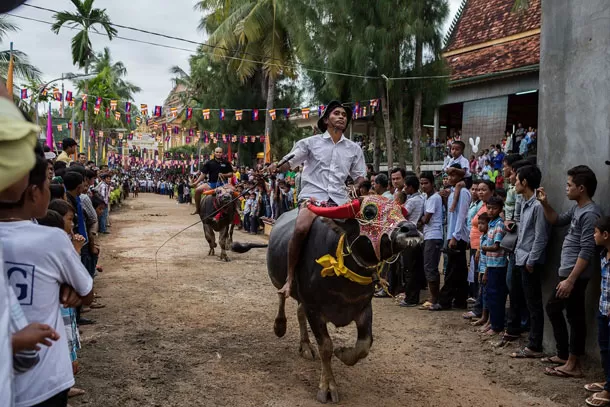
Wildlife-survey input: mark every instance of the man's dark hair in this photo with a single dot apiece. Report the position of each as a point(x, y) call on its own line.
point(90, 162)
point(59, 164)
point(584, 176)
point(603, 224)
point(510, 159)
point(382, 180)
point(72, 180)
point(90, 174)
point(365, 184)
point(531, 174)
point(79, 154)
point(401, 170)
point(498, 146)
point(460, 143)
point(428, 175)
point(501, 192)
point(490, 185)
point(38, 174)
point(76, 164)
point(484, 218)
point(96, 201)
point(517, 165)
point(495, 201)
point(532, 159)
point(412, 182)
point(61, 172)
point(79, 169)
point(52, 219)
point(60, 206)
point(67, 143)
point(57, 191)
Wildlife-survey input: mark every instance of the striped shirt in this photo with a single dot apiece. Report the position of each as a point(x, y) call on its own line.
point(494, 235)
point(482, 255)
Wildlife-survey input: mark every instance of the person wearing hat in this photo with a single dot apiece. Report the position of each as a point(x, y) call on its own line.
point(328, 159)
point(68, 146)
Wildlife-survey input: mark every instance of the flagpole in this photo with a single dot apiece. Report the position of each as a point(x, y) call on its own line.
point(9, 76)
point(62, 96)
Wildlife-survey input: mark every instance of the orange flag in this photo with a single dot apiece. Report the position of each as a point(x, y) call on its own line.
point(9, 76)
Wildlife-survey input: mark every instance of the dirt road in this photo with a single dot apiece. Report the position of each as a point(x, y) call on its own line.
point(200, 333)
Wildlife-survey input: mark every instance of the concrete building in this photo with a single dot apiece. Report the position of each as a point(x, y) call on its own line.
point(493, 53)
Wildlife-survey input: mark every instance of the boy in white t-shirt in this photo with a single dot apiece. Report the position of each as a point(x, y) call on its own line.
point(39, 262)
point(457, 152)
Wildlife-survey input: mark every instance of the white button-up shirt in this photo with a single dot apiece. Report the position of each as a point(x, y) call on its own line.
point(326, 166)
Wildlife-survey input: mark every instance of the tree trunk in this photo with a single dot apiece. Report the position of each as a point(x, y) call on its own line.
point(401, 139)
point(417, 107)
point(385, 112)
point(268, 121)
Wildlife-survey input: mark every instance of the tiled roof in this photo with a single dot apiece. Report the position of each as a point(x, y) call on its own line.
point(497, 58)
point(487, 20)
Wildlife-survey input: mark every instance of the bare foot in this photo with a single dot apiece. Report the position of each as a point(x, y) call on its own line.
point(485, 328)
point(479, 322)
point(285, 290)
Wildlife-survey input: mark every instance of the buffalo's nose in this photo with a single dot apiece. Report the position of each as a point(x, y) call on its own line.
point(407, 228)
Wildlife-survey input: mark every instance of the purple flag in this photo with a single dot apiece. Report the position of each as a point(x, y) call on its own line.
point(49, 141)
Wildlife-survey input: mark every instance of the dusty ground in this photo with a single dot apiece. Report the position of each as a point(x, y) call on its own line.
point(199, 332)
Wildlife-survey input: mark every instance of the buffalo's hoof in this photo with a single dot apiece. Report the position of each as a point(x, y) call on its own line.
point(279, 327)
point(211, 252)
point(323, 395)
point(224, 257)
point(306, 351)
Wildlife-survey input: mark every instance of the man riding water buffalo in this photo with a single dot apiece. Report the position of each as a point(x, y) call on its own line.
point(219, 172)
point(328, 160)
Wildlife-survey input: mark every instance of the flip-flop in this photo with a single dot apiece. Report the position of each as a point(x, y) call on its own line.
point(525, 353)
point(550, 361)
point(594, 387)
point(469, 315)
point(552, 371)
point(597, 401)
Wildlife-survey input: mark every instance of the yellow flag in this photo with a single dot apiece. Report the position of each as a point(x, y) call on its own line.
point(81, 145)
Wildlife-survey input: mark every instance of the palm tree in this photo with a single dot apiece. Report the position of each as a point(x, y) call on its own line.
point(255, 36)
point(86, 19)
point(21, 65)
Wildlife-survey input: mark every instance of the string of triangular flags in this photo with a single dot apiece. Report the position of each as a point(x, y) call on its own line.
point(359, 109)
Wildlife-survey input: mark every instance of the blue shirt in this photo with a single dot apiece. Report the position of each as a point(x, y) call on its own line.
point(604, 298)
point(472, 211)
point(456, 220)
point(482, 256)
point(494, 235)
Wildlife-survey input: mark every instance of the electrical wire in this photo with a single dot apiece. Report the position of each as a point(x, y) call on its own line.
point(215, 47)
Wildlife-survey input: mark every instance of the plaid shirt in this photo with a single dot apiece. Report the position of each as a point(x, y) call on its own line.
point(604, 298)
point(494, 235)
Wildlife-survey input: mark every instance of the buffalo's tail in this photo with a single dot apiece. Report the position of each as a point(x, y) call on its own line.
point(245, 247)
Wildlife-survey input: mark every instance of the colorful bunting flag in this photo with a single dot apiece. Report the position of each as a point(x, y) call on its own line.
point(206, 114)
point(138, 121)
point(187, 139)
point(117, 115)
point(127, 107)
point(69, 97)
point(84, 104)
point(164, 128)
point(189, 113)
point(287, 112)
point(69, 125)
point(60, 127)
point(355, 110)
point(144, 110)
point(113, 104)
point(305, 112)
point(56, 94)
point(158, 111)
point(191, 132)
point(128, 118)
point(176, 130)
point(254, 115)
point(173, 111)
point(98, 105)
point(321, 110)
point(24, 93)
point(239, 114)
point(272, 114)
point(45, 92)
point(222, 114)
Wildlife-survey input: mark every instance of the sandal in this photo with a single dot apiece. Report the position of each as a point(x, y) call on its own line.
point(554, 360)
point(597, 401)
point(595, 387)
point(552, 371)
point(469, 315)
point(526, 353)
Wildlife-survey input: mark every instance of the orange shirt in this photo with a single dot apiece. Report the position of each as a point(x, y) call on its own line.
point(475, 235)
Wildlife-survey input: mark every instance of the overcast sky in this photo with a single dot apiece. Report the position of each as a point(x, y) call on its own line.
point(148, 66)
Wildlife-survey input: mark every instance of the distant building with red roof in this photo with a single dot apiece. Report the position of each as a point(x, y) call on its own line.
point(493, 53)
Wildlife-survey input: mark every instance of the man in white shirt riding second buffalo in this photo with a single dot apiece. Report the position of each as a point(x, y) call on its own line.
point(328, 160)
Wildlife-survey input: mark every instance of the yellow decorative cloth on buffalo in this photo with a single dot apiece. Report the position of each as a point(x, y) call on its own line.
point(334, 266)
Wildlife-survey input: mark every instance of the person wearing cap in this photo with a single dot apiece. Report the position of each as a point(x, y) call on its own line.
point(68, 146)
point(328, 160)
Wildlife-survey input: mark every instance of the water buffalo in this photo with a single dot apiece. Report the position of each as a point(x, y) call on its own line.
point(334, 279)
point(217, 212)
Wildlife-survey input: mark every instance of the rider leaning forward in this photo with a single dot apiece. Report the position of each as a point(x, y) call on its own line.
point(328, 160)
point(219, 172)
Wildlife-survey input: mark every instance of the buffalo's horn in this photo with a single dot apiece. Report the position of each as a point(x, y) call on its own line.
point(209, 192)
point(347, 211)
point(245, 247)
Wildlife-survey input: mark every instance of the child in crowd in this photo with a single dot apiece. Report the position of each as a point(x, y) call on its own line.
point(400, 198)
point(481, 261)
point(602, 239)
point(495, 274)
point(254, 208)
point(486, 171)
point(248, 211)
point(457, 154)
